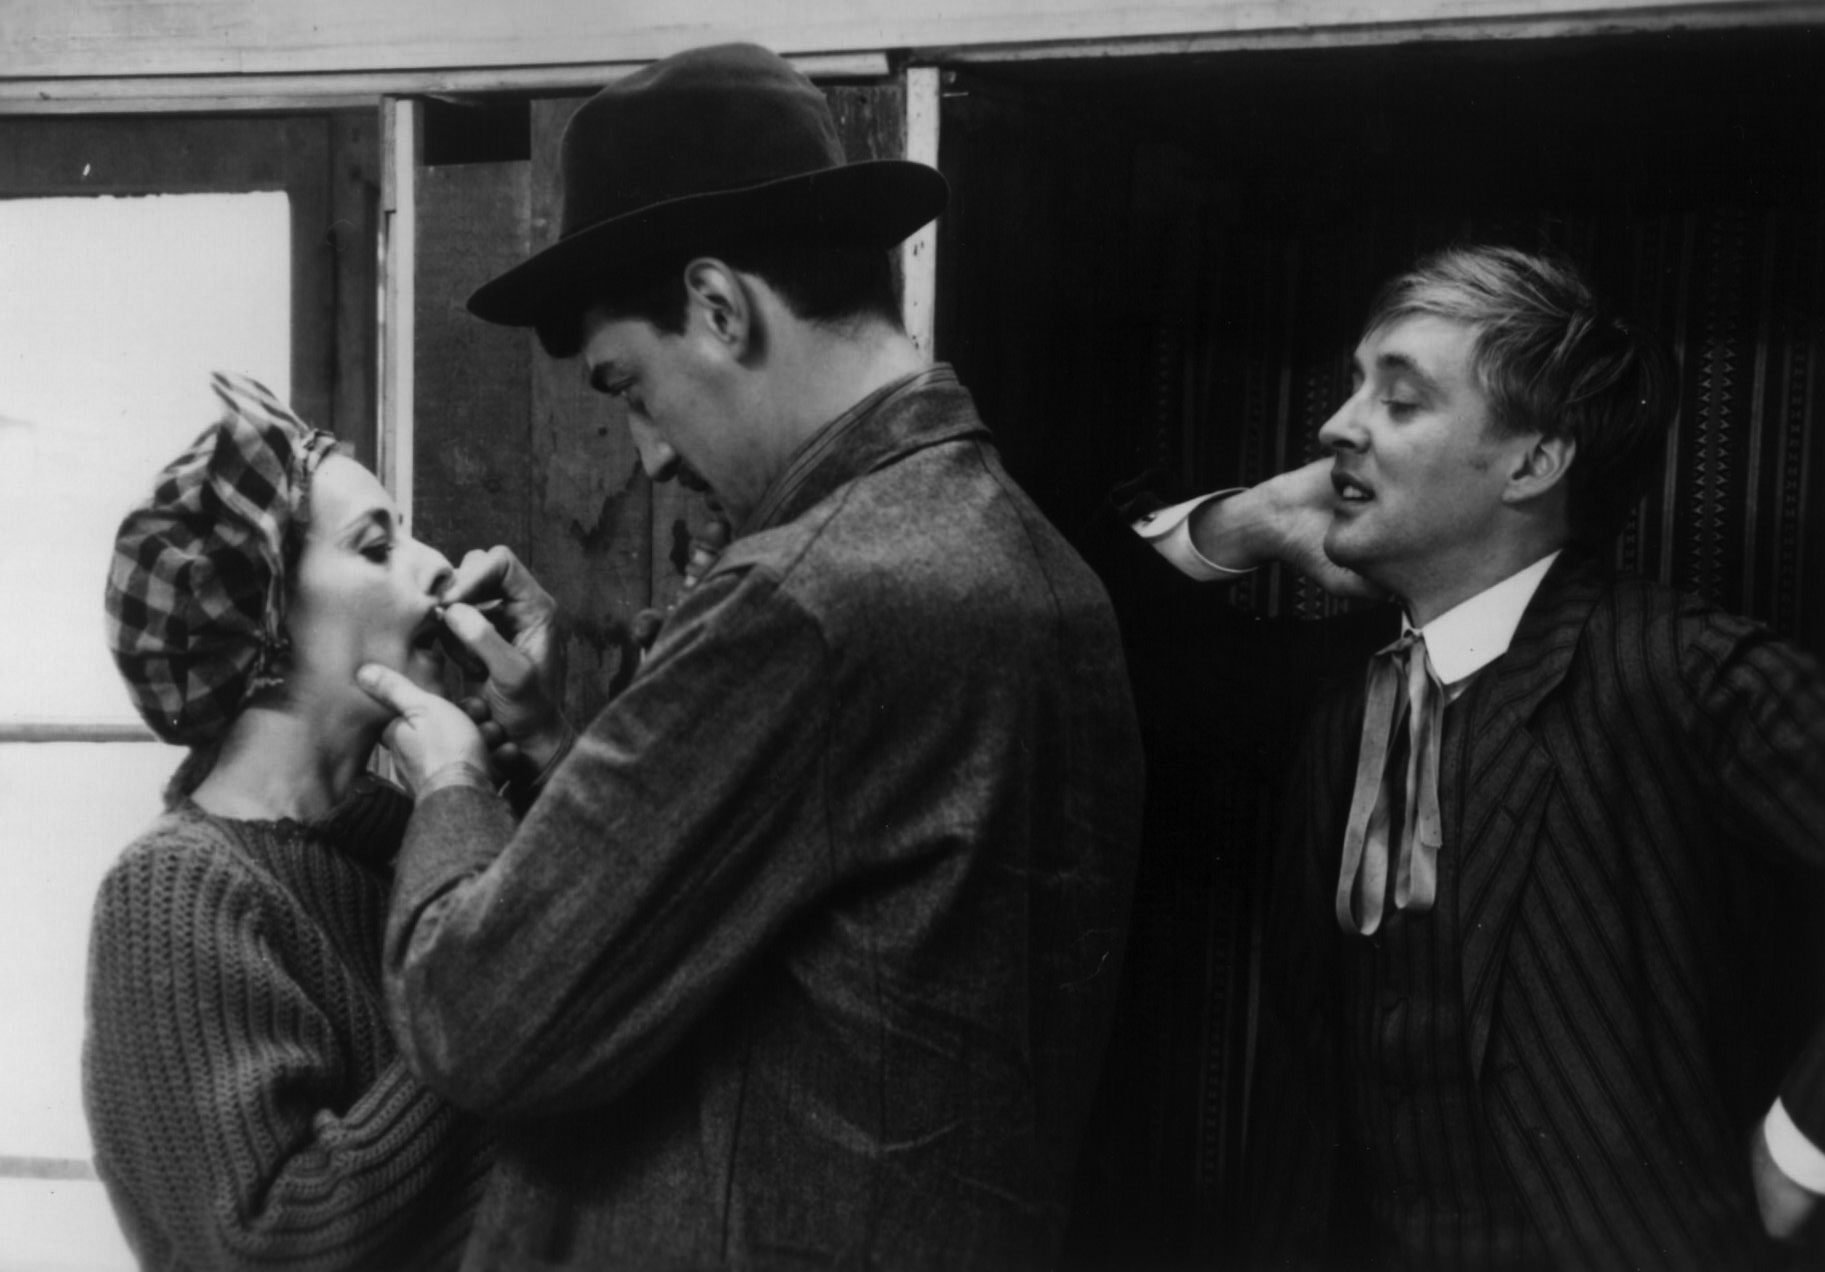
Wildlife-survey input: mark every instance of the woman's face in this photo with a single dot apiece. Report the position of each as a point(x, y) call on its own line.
point(365, 591)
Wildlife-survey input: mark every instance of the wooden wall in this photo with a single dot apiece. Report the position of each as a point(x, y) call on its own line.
point(511, 446)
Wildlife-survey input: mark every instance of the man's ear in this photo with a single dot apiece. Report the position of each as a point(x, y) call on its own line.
point(718, 303)
point(1539, 468)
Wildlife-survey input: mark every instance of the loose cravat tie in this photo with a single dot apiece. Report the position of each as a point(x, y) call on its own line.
point(1401, 685)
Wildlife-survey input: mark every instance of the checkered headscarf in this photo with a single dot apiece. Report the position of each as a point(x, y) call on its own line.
point(197, 586)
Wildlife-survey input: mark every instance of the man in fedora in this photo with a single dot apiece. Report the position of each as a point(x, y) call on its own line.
point(805, 952)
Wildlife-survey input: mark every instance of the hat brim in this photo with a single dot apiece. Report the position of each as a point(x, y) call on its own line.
point(877, 202)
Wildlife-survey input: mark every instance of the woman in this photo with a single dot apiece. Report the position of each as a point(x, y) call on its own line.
point(248, 1106)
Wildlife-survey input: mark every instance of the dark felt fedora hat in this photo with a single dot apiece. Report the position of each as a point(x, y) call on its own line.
point(703, 146)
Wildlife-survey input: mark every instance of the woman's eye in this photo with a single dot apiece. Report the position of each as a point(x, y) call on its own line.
point(379, 553)
point(1398, 407)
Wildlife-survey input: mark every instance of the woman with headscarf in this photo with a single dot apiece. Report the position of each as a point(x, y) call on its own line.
point(248, 1106)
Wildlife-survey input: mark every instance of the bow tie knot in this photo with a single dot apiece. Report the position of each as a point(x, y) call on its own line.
point(1402, 687)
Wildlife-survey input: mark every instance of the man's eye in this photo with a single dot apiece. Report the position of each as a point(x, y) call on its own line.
point(379, 553)
point(1399, 407)
point(620, 388)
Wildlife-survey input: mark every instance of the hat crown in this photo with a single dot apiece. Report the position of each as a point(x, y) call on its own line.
point(706, 121)
point(686, 156)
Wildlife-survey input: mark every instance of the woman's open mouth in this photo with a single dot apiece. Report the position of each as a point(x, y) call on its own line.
point(428, 638)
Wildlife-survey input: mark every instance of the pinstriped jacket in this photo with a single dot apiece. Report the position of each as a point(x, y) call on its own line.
point(1623, 791)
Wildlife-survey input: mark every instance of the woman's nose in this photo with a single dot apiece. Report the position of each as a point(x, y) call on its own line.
point(434, 569)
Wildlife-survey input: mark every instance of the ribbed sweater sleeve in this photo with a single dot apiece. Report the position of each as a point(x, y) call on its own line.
point(248, 1107)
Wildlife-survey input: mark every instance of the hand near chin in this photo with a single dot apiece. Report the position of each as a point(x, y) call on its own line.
point(428, 735)
point(1299, 506)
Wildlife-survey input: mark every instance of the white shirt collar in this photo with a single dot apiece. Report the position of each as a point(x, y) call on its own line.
point(1471, 635)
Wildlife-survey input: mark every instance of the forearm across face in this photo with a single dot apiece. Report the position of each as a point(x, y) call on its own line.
point(1228, 533)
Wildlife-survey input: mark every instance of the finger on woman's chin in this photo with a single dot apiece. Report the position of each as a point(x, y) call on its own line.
point(388, 687)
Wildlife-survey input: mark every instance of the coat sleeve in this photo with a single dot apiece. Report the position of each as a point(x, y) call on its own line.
point(1760, 707)
point(221, 1096)
point(542, 968)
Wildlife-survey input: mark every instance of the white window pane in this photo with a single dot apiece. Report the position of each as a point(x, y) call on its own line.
point(67, 810)
point(60, 1225)
point(112, 314)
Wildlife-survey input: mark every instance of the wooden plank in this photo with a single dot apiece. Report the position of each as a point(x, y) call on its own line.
point(305, 141)
point(351, 237)
point(472, 469)
point(56, 102)
point(919, 254)
point(399, 215)
point(46, 1168)
point(56, 38)
point(74, 731)
point(1401, 24)
point(590, 537)
point(150, 94)
point(48, 157)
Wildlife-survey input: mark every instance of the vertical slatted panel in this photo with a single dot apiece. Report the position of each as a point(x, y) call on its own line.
point(591, 532)
point(471, 476)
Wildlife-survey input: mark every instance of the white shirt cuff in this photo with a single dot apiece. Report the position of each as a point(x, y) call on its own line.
point(1798, 1157)
point(1169, 531)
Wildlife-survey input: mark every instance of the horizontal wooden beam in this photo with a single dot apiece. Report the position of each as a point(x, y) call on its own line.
point(74, 731)
point(1615, 19)
point(178, 94)
point(237, 41)
point(45, 1168)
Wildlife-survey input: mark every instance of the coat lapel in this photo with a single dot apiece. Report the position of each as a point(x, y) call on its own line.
point(1500, 777)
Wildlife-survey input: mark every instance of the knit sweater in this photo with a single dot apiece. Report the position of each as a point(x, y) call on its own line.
point(248, 1106)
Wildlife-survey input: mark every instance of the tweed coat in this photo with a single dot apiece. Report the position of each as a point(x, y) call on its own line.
point(806, 956)
point(1620, 791)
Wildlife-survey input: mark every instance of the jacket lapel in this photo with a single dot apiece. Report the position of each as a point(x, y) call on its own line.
point(1501, 776)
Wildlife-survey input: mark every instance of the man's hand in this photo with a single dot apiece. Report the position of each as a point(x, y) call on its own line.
point(1283, 519)
point(518, 645)
point(428, 734)
point(1785, 1206)
point(515, 713)
point(520, 609)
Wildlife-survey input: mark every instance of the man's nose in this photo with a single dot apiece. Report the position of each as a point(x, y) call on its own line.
point(1344, 430)
point(656, 454)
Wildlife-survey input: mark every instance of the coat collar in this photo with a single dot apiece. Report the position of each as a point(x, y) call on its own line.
point(1541, 652)
point(1502, 774)
point(919, 410)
